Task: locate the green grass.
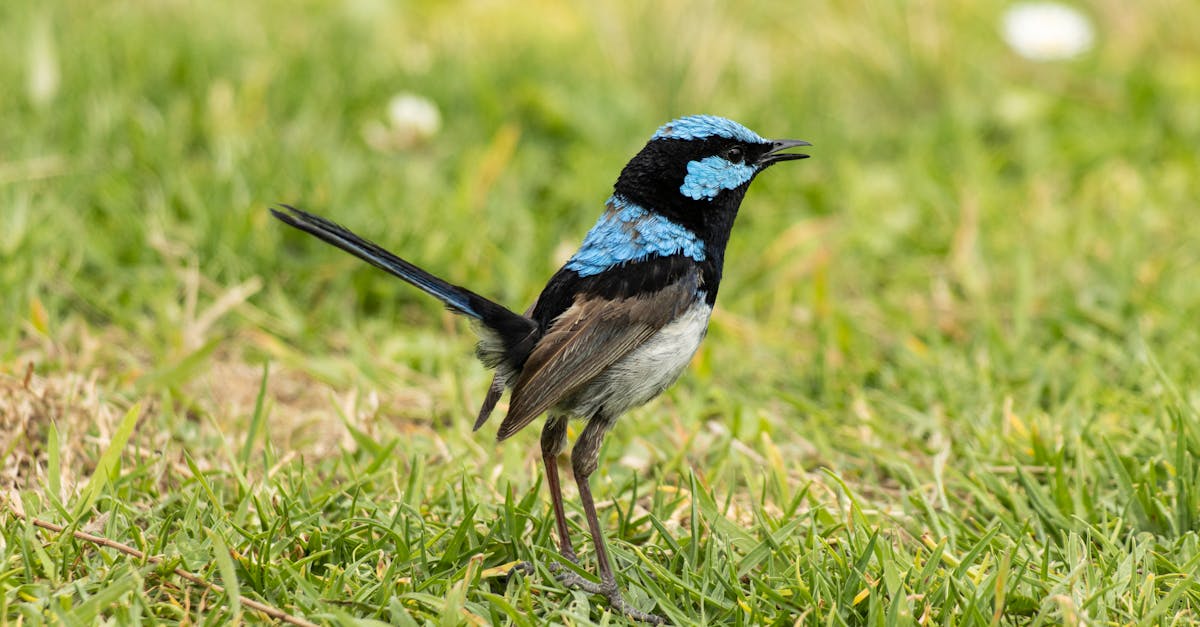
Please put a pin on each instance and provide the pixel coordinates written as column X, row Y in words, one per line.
column 952, row 377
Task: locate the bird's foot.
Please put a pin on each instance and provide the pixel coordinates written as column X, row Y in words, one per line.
column 555, row 567
column 618, row 603
column 524, row 567
column 571, row 579
column 610, row 592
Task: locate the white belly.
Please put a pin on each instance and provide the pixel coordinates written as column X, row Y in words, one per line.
column 647, row 370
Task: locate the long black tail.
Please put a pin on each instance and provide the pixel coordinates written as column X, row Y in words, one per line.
column 512, row 329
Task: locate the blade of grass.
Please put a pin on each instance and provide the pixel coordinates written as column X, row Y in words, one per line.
column 229, row 579
column 107, row 465
column 257, row 419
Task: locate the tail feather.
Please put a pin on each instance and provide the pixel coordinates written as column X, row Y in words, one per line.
column 495, row 391
column 454, row 297
column 513, row 330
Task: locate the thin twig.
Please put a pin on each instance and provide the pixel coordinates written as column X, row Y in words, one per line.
column 271, row 611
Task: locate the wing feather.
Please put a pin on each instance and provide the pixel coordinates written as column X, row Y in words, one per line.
column 587, row 338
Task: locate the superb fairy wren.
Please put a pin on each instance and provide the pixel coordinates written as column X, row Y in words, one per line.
column 620, row 321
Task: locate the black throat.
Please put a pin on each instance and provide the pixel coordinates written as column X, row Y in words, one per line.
column 653, row 178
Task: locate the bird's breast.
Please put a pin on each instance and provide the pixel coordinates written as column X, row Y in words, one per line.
column 647, row 370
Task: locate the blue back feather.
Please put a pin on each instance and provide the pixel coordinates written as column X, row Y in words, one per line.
column 628, row 232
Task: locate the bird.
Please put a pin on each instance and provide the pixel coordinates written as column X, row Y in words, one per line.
column 619, row 322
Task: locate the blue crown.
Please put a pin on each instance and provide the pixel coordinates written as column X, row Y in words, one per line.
column 705, row 126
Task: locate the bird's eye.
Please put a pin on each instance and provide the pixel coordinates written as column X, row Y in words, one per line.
column 734, row 154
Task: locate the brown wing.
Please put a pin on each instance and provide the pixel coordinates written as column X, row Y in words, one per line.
column 591, row 335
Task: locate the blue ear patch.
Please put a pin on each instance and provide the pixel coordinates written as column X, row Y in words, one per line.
column 628, row 232
column 708, row 176
column 705, row 126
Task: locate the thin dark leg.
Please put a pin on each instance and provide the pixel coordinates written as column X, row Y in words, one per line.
column 584, row 459
column 554, row 440
column 603, row 567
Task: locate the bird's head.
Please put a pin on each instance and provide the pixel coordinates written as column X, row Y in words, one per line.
column 695, row 170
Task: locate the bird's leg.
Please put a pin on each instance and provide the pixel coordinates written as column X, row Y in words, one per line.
column 554, row 440
column 584, row 459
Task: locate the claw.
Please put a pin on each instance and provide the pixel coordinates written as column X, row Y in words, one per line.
column 612, row 593
column 555, row 567
column 526, row 568
column 621, row 606
column 573, row 580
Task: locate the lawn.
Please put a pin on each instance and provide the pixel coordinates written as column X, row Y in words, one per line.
column 953, row 376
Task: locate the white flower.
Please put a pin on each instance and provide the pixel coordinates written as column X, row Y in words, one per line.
column 1047, row 31
column 411, row 120
column 414, row 114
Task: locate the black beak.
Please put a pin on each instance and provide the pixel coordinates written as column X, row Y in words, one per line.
column 776, row 154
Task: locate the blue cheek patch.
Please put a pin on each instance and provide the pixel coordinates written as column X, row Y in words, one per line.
column 707, row 177
column 627, row 232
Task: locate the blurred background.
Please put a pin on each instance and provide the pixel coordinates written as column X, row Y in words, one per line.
column 961, row 194
column 991, row 260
